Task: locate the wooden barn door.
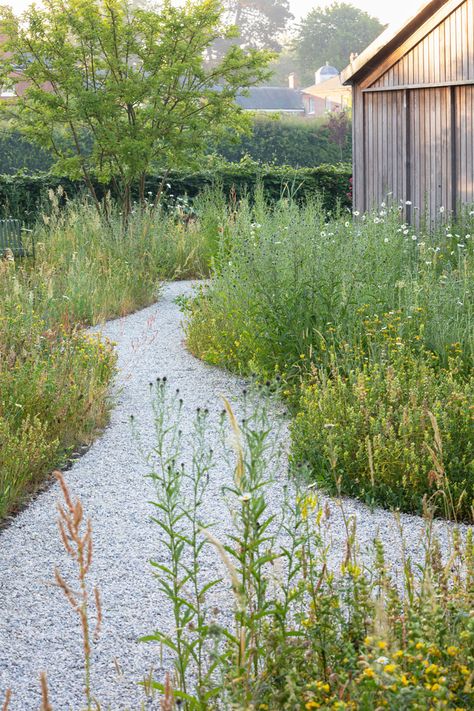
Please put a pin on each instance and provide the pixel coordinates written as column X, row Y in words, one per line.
column 410, row 149
column 464, row 144
column 430, row 157
column 385, row 147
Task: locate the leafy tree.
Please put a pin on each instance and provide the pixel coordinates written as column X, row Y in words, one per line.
column 116, row 91
column 281, row 67
column 331, row 34
column 259, row 23
column 338, row 130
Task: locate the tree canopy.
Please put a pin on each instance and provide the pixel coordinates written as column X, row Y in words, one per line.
column 331, row 34
column 259, row 23
column 116, row 91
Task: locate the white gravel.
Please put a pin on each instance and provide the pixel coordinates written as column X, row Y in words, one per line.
column 38, row 631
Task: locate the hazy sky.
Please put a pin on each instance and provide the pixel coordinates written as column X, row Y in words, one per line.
column 386, row 10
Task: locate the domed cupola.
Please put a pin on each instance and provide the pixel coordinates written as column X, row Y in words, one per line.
column 324, row 73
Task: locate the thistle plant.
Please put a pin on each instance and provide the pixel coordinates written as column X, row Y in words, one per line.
column 180, row 491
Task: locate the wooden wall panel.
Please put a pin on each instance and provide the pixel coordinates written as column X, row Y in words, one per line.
column 464, row 144
column 417, row 167
column 431, row 155
column 385, row 148
column 445, row 54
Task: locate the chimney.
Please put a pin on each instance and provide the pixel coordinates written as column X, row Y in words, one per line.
column 353, row 57
column 292, row 81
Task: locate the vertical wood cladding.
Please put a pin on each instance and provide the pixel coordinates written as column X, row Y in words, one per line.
column 413, row 122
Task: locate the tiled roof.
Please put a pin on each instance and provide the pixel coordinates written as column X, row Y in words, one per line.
column 271, row 98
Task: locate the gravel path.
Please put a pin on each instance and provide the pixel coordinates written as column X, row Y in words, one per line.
column 37, row 628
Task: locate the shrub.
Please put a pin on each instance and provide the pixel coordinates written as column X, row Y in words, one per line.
column 25, row 196
column 392, row 433
column 18, row 154
column 288, row 141
column 53, row 397
column 285, row 141
column 297, row 294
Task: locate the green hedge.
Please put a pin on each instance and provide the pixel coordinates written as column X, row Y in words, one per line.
column 23, row 196
column 288, row 141
column 18, row 154
column 296, row 142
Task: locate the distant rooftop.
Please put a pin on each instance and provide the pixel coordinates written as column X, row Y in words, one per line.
column 271, row 98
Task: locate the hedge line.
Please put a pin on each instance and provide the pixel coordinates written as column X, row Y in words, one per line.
column 288, row 141
column 285, row 140
column 24, row 196
column 18, row 154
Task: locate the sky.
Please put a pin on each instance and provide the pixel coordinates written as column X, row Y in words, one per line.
column 386, row 10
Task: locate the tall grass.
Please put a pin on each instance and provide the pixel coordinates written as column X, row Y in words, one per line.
column 55, row 378
column 88, row 269
column 306, row 300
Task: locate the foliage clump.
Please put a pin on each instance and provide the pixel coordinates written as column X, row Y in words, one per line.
column 311, row 627
column 55, row 377
column 376, row 433
column 368, row 323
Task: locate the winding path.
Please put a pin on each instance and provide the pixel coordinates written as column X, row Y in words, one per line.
column 38, row 631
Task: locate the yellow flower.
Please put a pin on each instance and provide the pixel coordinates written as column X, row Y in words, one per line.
column 398, row 654
column 382, row 644
column 405, row 681
column 419, row 645
column 324, row 686
column 369, row 673
column 452, row 651
column 311, row 705
column 390, row 668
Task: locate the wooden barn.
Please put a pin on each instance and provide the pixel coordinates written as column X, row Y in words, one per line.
column 413, row 109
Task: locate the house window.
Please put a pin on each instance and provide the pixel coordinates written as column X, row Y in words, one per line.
column 7, row 90
column 311, row 106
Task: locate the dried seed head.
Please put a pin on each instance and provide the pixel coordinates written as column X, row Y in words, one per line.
column 98, row 607
column 45, row 705
column 8, row 698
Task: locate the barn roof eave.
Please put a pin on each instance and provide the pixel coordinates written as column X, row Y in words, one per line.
column 389, row 40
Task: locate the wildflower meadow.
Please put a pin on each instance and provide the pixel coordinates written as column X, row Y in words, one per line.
column 236, row 411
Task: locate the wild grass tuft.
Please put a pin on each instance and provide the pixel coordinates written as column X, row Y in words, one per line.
column 55, row 378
